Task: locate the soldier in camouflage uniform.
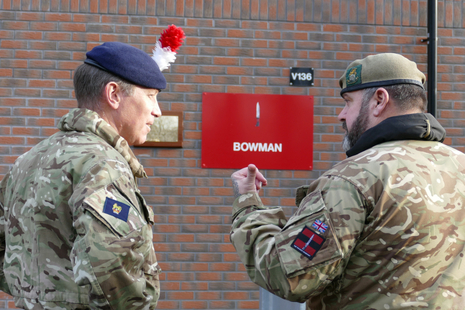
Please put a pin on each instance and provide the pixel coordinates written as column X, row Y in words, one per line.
column 383, row 229
column 75, row 231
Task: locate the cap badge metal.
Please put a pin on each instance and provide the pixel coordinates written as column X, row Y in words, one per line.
column 354, row 76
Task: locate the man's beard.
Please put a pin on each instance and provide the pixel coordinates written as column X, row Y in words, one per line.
column 359, row 127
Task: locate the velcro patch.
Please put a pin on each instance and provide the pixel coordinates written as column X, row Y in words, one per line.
column 116, row 208
column 308, row 242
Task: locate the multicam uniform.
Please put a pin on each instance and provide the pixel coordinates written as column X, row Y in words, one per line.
column 76, row 233
column 383, row 229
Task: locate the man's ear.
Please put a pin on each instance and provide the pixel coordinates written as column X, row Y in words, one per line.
column 112, row 95
column 381, row 97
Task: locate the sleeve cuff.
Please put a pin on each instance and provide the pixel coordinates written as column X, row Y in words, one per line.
column 246, row 200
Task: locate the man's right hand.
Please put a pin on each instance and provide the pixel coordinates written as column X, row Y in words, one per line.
column 247, row 179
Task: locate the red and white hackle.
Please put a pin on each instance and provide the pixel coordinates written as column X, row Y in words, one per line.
column 164, row 52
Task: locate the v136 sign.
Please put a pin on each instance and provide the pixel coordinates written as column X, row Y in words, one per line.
column 301, row 76
column 271, row 131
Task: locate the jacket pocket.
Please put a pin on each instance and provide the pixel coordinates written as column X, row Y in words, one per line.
column 117, row 207
column 308, row 240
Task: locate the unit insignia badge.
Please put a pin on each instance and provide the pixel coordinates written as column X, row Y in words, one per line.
column 116, row 208
column 308, row 242
column 354, row 76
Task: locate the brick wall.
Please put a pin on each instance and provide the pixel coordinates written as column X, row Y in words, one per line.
column 235, row 46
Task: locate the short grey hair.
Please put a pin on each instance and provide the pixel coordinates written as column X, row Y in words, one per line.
column 89, row 83
column 404, row 96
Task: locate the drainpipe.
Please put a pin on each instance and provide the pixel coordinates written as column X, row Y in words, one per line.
column 432, row 55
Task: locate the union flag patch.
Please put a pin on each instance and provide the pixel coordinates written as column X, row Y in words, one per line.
column 320, row 226
column 308, row 242
column 116, row 208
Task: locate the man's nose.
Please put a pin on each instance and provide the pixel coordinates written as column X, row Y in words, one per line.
column 342, row 116
column 156, row 110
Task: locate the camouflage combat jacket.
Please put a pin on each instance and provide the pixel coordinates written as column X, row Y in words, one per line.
column 75, row 231
column 383, row 229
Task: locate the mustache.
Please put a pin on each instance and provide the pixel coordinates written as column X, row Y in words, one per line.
column 344, row 126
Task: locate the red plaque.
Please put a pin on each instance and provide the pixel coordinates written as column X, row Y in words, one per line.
column 270, row 131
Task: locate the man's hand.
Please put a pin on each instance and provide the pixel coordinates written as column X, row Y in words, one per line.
column 247, row 179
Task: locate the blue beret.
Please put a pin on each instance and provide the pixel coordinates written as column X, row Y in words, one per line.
column 127, row 62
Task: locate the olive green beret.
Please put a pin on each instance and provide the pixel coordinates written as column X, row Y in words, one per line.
column 380, row 70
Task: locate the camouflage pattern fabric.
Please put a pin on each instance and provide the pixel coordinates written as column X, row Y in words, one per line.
column 394, row 236
column 76, row 232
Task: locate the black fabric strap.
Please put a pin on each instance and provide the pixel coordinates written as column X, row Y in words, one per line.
column 380, row 84
column 95, row 64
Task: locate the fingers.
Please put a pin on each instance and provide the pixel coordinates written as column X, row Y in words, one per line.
column 255, row 177
column 257, row 174
column 248, row 179
column 251, row 173
column 239, row 174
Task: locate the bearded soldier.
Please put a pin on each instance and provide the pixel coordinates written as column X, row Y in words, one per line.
column 384, row 228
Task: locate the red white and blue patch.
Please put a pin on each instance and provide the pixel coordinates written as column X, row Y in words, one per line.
column 308, row 242
column 117, row 209
column 320, row 226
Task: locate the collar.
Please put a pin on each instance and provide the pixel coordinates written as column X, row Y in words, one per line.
column 89, row 121
column 419, row 126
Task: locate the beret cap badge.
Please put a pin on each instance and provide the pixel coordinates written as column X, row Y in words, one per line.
column 354, row 75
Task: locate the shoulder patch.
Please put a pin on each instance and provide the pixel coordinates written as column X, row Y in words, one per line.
column 116, row 208
column 308, row 242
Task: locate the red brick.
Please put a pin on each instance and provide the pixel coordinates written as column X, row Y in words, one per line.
column 15, row 25
column 222, row 266
column 194, row 305
column 165, row 304
column 194, row 266
column 179, row 295
column 195, row 228
column 194, row 286
column 165, row 286
column 12, row 141
column 58, row 17
column 209, row 219
column 167, row 247
column 208, row 295
column 207, row 276
column 166, row 228
column 223, row 305
column 228, row 247
column 208, row 238
column 235, row 295
column 26, row 112
column 246, row 285
column 236, row 276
